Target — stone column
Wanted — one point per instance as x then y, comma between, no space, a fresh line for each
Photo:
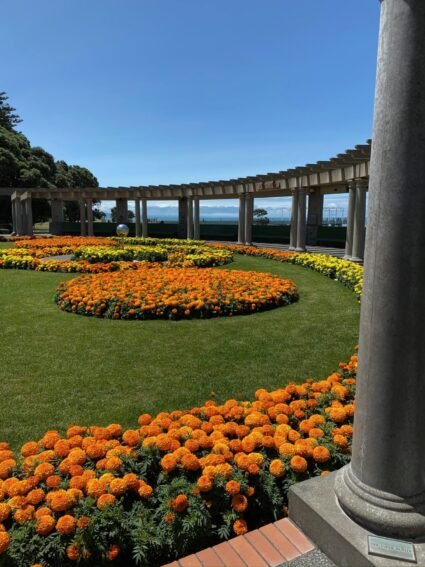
20,221
144,218
137,215
350,220
83,227
359,221
90,227
241,224
182,224
28,214
13,217
249,209
314,215
57,212
384,486
196,222
122,211
190,218
301,224
294,221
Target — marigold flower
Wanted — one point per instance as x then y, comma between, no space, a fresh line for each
145,491
169,518
45,525
83,522
118,486
60,501
44,470
53,481
113,552
321,454
240,527
4,542
105,500
43,511
204,483
180,503
35,496
73,552
66,525
5,511
233,487
239,503
277,468
298,464
340,441
23,515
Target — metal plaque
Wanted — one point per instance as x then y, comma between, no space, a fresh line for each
387,547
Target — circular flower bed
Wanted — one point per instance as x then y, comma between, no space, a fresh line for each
179,481
155,292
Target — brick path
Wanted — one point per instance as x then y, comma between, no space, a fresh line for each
278,544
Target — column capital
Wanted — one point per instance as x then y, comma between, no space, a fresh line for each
362,184
351,185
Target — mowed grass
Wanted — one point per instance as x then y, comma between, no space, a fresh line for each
58,368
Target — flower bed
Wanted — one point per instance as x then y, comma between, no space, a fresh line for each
155,292
348,273
176,483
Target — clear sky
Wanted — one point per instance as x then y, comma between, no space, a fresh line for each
174,91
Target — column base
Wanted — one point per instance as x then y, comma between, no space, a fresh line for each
382,512
300,250
314,507
357,260
347,257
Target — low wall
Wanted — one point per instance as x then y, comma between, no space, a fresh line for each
326,235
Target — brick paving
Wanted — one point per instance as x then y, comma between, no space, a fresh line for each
278,544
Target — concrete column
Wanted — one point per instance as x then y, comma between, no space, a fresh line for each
301,224
359,232
28,214
57,212
122,211
20,221
137,215
189,218
314,215
13,216
294,221
241,224
90,227
182,226
83,227
384,486
249,209
196,221
144,218
350,220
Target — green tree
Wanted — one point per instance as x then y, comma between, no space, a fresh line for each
260,216
131,215
8,118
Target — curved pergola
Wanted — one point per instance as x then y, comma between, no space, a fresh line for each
347,172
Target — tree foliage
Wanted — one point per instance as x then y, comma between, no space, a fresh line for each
22,165
260,216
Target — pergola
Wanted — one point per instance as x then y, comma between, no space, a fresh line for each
348,171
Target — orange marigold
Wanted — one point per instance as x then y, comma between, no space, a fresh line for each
113,552
145,491
239,503
180,503
105,500
5,511
4,541
299,464
204,483
73,552
321,454
66,525
277,468
240,527
45,525
233,487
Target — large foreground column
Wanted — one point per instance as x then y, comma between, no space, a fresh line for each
20,221
294,221
359,231
301,220
384,486
241,223
196,221
57,211
249,210
350,220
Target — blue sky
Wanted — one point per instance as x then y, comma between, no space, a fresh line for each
167,91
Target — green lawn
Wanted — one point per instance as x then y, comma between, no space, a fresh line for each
58,368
